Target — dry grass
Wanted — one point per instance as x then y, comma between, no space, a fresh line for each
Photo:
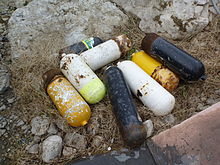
27,72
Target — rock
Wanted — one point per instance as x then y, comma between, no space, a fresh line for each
3,39
7,128
75,140
66,22
11,100
20,123
62,125
13,117
21,3
148,124
5,18
52,148
4,78
33,149
39,125
201,107
169,119
97,140
52,129
37,139
69,152
25,127
1,45
217,92
3,122
2,28
93,127
211,101
3,107
203,99
170,18
2,132
212,10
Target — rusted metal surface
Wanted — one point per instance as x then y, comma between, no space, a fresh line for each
166,78
147,42
49,76
124,43
156,70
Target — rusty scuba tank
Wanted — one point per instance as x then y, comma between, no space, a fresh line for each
131,128
65,97
156,70
179,61
83,78
107,52
82,46
151,93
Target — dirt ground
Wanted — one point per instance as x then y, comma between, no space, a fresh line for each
33,101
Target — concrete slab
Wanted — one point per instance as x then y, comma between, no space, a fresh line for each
196,141
139,156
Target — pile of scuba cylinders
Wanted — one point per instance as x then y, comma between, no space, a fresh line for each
150,75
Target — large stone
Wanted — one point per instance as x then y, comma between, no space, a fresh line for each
194,141
55,24
39,125
75,140
170,18
4,78
52,148
33,149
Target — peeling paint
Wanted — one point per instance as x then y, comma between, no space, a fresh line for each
68,101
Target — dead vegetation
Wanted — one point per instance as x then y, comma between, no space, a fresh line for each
33,101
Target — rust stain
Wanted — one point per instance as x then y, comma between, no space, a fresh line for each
144,86
134,134
64,66
50,76
77,81
165,78
147,42
124,43
81,76
139,94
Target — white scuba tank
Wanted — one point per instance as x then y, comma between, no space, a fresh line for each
150,92
83,78
106,52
